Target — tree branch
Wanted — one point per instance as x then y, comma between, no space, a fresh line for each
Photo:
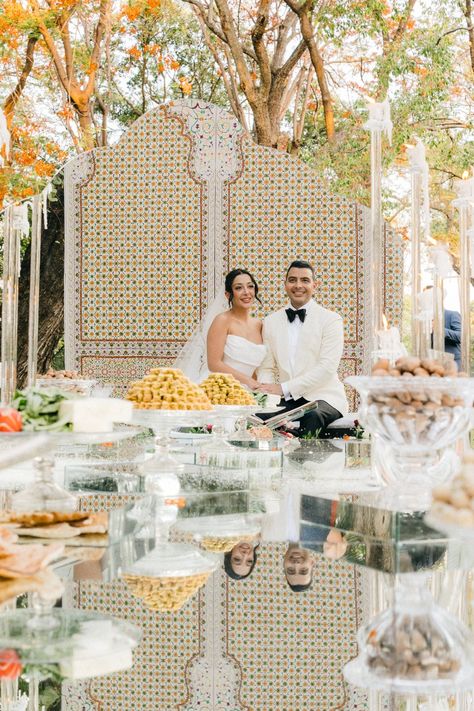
13,98
104,13
284,28
203,11
304,11
470,29
260,49
228,27
402,25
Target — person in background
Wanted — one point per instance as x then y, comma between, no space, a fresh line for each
452,333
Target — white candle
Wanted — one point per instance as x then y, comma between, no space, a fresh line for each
389,340
417,156
465,188
379,117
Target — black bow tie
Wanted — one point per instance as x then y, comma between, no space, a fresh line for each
292,314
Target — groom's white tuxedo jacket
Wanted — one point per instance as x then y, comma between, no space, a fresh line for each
313,374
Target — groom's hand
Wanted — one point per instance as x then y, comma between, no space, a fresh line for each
271,388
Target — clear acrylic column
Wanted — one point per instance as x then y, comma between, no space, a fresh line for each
379,122
465,203
419,200
12,231
442,267
35,263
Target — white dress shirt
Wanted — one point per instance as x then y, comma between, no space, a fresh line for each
294,330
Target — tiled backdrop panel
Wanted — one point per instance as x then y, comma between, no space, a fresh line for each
280,212
152,224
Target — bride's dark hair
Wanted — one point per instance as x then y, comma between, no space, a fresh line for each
229,280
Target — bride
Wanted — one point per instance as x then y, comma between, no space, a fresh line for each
234,339
227,341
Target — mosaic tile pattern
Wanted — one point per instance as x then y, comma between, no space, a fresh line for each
158,677
210,654
153,223
291,647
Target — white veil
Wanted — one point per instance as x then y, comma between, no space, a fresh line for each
193,358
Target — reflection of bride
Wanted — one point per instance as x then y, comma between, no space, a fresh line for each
228,341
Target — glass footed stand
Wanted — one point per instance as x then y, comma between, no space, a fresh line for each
44,494
162,469
225,419
19,447
415,647
80,645
416,418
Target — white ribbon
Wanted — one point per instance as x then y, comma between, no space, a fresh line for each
44,197
424,301
417,157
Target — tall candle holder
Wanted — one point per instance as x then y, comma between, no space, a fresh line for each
419,197
379,122
464,203
11,272
441,269
33,315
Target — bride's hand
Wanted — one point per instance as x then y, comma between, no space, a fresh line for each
253,384
270,388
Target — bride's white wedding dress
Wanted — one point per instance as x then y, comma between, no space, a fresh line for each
243,355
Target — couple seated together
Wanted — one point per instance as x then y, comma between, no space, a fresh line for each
293,354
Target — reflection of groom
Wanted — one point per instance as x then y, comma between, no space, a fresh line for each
304,346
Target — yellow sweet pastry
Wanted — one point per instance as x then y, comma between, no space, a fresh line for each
223,544
167,389
224,389
168,594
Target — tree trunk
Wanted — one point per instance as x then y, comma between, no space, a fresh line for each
263,127
51,299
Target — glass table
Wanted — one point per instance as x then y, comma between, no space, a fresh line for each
319,558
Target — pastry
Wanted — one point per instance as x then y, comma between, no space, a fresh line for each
224,389
167,389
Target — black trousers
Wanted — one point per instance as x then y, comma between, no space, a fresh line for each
313,421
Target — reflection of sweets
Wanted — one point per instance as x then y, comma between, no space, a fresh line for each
165,593
411,648
224,544
453,503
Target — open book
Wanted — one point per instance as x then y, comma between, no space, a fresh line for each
281,418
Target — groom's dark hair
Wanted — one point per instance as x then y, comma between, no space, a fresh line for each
300,264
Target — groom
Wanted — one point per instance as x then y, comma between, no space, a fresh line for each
304,346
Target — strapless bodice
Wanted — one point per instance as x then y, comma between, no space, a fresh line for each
242,354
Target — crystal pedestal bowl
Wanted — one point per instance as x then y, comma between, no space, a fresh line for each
416,417
415,647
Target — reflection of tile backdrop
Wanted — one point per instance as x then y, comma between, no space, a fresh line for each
154,222
251,645
289,646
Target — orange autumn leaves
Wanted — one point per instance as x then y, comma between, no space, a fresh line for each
135,10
